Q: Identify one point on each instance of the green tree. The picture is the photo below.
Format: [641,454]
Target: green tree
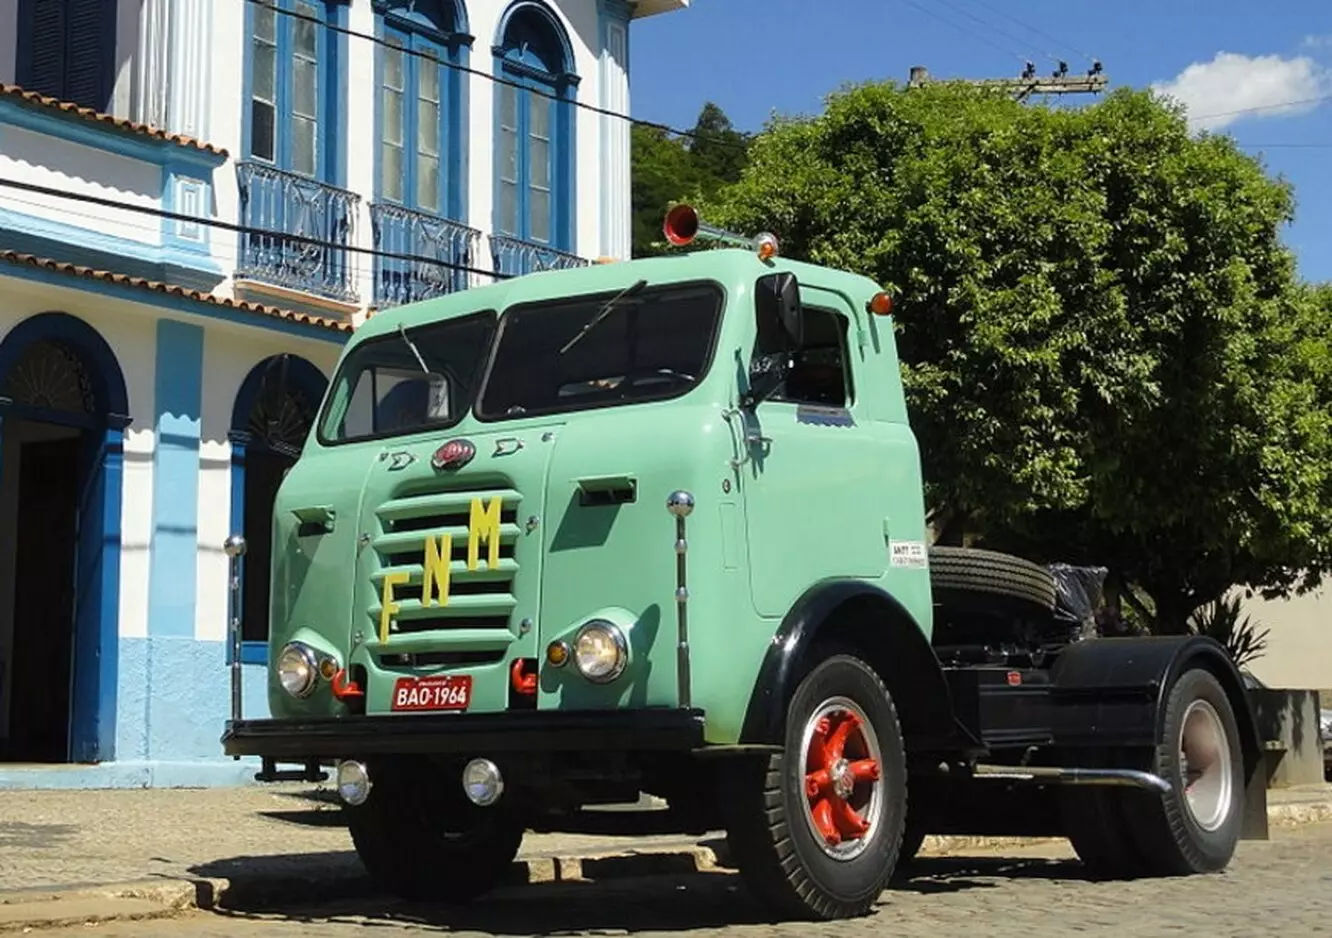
[669,169]
[1107,357]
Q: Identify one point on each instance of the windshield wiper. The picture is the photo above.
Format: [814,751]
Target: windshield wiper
[402,331]
[603,313]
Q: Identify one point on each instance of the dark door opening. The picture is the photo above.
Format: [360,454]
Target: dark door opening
[45,552]
[264,471]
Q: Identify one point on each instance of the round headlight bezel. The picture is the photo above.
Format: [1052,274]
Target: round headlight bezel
[617,639]
[307,657]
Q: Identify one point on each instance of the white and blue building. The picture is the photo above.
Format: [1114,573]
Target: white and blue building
[196,201]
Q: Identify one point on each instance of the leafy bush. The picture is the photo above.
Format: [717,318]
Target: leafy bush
[1220,619]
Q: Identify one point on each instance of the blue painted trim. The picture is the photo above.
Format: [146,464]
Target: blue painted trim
[96,634]
[96,686]
[100,135]
[563,84]
[174,548]
[331,135]
[104,251]
[447,44]
[108,380]
[175,304]
[301,373]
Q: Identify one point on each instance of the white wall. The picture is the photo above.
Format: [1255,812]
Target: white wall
[230,351]
[1299,641]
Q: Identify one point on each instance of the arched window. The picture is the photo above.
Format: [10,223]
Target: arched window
[274,410]
[420,105]
[534,128]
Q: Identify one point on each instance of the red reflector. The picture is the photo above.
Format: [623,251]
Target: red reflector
[1014,679]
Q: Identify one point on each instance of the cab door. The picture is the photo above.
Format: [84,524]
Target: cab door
[812,476]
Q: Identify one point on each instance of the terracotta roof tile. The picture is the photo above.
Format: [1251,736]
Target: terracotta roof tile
[33,97]
[106,276]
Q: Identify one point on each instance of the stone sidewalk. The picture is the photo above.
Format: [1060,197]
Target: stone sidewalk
[245,847]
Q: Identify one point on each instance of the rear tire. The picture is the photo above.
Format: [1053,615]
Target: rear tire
[1196,826]
[816,830]
[422,840]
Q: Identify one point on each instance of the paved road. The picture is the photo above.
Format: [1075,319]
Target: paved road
[1278,887]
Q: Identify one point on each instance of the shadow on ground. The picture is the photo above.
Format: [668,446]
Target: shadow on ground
[667,901]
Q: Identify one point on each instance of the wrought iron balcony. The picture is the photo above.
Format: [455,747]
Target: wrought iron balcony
[513,256]
[399,230]
[274,200]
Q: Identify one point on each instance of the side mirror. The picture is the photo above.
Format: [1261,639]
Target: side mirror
[777,302]
[781,331]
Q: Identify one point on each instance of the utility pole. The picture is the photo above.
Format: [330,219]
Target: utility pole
[1028,83]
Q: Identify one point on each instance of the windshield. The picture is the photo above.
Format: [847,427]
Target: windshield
[416,379]
[644,343]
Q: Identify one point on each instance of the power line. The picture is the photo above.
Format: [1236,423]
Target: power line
[970,32]
[498,79]
[1263,107]
[1035,30]
[991,26]
[247,229]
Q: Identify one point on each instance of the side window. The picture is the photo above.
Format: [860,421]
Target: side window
[820,373]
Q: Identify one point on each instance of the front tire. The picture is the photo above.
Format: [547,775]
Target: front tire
[816,830]
[422,840]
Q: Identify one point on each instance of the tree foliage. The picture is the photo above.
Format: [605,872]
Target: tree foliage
[1107,356]
[669,169]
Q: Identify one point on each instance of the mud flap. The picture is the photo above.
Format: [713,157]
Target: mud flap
[1255,804]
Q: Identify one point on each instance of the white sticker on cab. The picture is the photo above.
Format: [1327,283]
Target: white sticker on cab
[908,554]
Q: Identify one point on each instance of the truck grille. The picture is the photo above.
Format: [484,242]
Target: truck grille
[477,599]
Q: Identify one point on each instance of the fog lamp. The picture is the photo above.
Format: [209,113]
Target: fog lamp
[353,782]
[482,782]
[600,652]
[298,669]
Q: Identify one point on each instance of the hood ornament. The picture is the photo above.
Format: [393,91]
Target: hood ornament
[453,455]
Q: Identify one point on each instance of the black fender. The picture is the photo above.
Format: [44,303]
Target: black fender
[1113,691]
[870,618]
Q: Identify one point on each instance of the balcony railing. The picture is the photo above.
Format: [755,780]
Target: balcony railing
[399,230]
[513,256]
[274,200]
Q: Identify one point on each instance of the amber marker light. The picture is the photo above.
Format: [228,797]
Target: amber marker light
[880,304]
[557,654]
[767,246]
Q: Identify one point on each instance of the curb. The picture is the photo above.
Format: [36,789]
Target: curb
[157,899]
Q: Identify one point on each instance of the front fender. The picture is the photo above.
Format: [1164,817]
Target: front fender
[864,616]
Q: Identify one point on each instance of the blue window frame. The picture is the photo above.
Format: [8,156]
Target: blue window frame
[534,128]
[420,106]
[66,49]
[294,108]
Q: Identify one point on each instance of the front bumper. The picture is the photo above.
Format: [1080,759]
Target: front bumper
[306,740]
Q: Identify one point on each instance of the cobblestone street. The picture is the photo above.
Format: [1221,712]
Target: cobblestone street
[1278,887]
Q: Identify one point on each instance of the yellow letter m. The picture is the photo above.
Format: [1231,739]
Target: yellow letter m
[483,527]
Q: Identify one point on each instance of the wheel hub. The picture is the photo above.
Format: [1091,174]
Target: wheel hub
[1205,765]
[843,778]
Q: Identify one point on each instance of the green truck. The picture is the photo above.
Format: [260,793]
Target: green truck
[657,527]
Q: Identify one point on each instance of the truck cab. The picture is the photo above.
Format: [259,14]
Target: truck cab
[659,526]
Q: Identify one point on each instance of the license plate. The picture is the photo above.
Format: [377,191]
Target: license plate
[446,692]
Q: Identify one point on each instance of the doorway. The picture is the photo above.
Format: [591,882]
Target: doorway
[41,486]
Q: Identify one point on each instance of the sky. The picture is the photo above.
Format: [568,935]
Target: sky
[1237,67]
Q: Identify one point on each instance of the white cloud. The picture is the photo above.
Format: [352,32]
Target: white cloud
[1318,42]
[1233,86]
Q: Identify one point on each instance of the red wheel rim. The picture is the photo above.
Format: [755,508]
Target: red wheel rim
[842,778]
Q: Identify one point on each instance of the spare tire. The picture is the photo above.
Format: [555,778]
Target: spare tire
[966,575]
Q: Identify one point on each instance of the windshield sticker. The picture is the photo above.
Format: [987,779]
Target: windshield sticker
[909,554]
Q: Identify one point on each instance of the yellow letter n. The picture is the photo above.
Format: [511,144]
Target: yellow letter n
[483,526]
[387,607]
[438,554]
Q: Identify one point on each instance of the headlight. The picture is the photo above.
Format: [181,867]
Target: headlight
[600,652]
[298,669]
